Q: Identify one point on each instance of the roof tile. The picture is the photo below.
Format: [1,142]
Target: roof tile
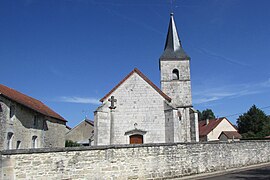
[205,129]
[231,134]
[29,102]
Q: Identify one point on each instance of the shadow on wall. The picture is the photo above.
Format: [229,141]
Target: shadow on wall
[32,120]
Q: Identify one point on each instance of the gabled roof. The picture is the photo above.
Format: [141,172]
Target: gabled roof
[173,48]
[143,77]
[205,129]
[29,102]
[88,121]
[231,134]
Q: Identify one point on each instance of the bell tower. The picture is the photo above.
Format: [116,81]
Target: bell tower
[175,82]
[175,69]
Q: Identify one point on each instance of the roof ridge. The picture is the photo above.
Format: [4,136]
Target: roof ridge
[29,102]
[19,92]
[89,121]
[85,120]
[136,70]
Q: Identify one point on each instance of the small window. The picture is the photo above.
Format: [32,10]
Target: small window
[34,142]
[179,115]
[1,109]
[18,144]
[175,74]
[9,140]
[12,111]
[35,121]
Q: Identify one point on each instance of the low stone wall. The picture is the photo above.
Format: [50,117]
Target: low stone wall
[148,161]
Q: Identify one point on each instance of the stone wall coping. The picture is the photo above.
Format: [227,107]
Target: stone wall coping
[107,147]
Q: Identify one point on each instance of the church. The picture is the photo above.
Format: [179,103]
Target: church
[136,111]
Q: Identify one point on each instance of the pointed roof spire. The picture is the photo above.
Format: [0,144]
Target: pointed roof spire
[173,48]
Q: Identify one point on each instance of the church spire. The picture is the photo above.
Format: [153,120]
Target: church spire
[173,48]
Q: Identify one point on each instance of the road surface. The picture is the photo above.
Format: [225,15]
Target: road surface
[260,173]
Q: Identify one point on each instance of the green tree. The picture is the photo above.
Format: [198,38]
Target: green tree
[254,123]
[207,114]
[70,143]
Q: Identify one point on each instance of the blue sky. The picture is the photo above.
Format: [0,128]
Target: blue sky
[70,53]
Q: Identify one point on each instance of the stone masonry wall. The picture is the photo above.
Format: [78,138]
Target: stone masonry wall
[81,133]
[147,161]
[178,90]
[49,132]
[2,124]
[138,106]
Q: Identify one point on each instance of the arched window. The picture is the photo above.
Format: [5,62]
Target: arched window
[136,139]
[9,140]
[18,144]
[175,74]
[34,142]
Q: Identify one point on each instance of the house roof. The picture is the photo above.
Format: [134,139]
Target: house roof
[89,121]
[29,102]
[143,77]
[231,134]
[205,129]
[85,120]
[173,48]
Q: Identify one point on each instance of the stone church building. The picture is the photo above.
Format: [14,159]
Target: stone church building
[136,111]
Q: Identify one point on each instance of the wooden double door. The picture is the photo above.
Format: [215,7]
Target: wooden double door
[136,139]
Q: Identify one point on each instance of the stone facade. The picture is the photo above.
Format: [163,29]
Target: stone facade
[179,89]
[139,107]
[27,128]
[2,124]
[83,133]
[148,161]
[143,110]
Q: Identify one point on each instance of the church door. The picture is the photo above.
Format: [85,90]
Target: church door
[136,139]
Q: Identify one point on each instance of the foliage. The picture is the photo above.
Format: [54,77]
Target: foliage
[206,114]
[70,143]
[254,123]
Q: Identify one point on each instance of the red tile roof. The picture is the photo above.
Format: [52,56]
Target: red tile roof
[205,129]
[142,76]
[231,134]
[29,102]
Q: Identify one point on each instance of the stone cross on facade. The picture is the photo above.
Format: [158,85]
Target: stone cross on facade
[112,100]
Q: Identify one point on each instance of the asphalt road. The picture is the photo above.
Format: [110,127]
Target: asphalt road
[261,173]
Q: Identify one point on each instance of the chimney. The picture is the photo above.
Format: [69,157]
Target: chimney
[207,121]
